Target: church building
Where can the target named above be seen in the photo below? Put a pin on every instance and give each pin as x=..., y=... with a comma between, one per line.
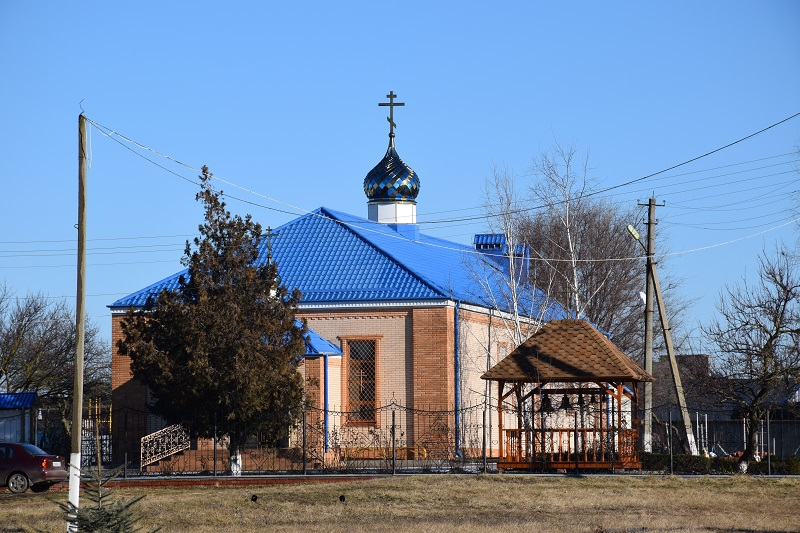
x=407, y=319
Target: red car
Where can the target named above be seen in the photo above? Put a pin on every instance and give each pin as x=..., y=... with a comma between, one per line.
x=25, y=465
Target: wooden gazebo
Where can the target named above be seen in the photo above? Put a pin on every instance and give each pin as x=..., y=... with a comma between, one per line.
x=567, y=399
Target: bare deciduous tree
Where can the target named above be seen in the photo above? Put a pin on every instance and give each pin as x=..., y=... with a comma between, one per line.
x=757, y=342
x=583, y=248
x=37, y=352
x=504, y=274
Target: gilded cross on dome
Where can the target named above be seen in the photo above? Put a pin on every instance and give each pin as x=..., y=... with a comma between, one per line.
x=391, y=104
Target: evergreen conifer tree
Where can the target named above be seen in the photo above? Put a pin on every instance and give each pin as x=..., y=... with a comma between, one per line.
x=220, y=351
x=104, y=514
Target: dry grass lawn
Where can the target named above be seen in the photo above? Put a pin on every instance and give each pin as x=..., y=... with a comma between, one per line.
x=446, y=503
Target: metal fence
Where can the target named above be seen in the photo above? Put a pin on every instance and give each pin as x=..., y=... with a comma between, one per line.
x=776, y=437
x=398, y=439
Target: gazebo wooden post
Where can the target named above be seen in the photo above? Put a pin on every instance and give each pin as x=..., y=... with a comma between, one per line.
x=532, y=437
x=618, y=441
x=600, y=398
x=620, y=396
x=543, y=444
x=520, y=418
x=582, y=407
x=501, y=438
x=541, y=424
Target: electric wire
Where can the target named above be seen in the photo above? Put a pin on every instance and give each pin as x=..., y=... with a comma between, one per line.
x=300, y=210
x=630, y=182
x=662, y=178
x=112, y=134
x=101, y=239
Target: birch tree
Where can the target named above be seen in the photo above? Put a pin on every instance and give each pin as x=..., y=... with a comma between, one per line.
x=582, y=247
x=505, y=275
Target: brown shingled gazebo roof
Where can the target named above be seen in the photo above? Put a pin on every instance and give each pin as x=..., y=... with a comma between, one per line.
x=564, y=351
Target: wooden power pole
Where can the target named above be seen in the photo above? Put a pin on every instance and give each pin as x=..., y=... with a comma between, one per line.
x=648, y=326
x=654, y=289
x=80, y=316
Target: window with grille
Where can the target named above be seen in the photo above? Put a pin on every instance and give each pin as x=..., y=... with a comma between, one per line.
x=361, y=380
x=502, y=351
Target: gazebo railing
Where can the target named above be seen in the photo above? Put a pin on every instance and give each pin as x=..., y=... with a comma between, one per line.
x=598, y=447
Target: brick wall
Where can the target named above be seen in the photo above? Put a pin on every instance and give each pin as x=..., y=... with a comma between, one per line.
x=129, y=401
x=312, y=370
x=391, y=329
x=125, y=390
x=433, y=363
x=415, y=359
x=434, y=377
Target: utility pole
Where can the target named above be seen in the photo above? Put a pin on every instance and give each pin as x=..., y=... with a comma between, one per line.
x=80, y=315
x=654, y=295
x=648, y=325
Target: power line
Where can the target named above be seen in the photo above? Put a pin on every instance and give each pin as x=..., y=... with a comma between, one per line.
x=139, y=246
x=710, y=186
x=607, y=189
x=481, y=207
x=100, y=239
x=113, y=134
x=93, y=253
x=464, y=249
x=90, y=264
x=704, y=225
x=732, y=241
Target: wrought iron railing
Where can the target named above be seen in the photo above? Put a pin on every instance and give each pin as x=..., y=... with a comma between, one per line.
x=418, y=440
x=163, y=443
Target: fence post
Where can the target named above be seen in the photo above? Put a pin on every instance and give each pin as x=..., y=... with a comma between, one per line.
x=576, y=442
x=769, y=455
x=744, y=433
x=394, y=444
x=614, y=448
x=483, y=445
x=698, y=438
x=305, y=465
x=670, y=443
x=125, y=433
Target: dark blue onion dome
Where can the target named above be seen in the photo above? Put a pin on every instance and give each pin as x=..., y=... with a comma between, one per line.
x=391, y=179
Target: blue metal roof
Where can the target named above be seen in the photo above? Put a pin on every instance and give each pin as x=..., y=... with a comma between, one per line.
x=17, y=400
x=316, y=345
x=336, y=257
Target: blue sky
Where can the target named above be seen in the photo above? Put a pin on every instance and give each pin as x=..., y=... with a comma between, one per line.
x=281, y=100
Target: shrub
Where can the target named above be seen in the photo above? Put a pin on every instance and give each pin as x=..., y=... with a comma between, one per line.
x=105, y=513
x=655, y=461
x=780, y=466
x=681, y=464
x=724, y=465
